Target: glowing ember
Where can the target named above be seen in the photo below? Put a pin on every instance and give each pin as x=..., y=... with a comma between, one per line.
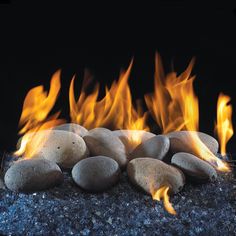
x=36, y=108
x=115, y=110
x=162, y=193
x=174, y=106
x=224, y=127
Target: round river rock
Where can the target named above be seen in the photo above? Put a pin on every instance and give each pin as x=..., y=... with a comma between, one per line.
x=194, y=167
x=72, y=127
x=180, y=141
x=131, y=143
x=64, y=148
x=33, y=175
x=155, y=147
x=96, y=174
x=101, y=141
x=151, y=174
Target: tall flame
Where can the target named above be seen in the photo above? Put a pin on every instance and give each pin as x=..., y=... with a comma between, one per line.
x=36, y=108
x=174, y=106
x=223, y=126
x=162, y=193
x=115, y=110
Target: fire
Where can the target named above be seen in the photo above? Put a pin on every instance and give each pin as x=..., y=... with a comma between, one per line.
x=36, y=108
x=115, y=110
x=223, y=126
x=162, y=193
x=174, y=106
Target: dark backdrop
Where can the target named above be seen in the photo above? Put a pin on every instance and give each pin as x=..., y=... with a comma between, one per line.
x=36, y=41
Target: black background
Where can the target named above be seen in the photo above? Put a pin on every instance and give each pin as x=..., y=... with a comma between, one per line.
x=38, y=40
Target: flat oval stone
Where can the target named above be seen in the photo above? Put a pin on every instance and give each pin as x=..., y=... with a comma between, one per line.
x=62, y=147
x=33, y=175
x=180, y=141
x=96, y=174
x=72, y=127
x=151, y=174
x=194, y=167
x=131, y=143
x=156, y=147
x=102, y=142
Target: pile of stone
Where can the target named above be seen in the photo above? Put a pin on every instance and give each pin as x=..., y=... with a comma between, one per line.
x=96, y=158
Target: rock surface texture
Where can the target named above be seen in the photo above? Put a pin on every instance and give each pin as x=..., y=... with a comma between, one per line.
x=194, y=167
x=150, y=174
x=156, y=147
x=62, y=147
x=96, y=174
x=181, y=141
x=33, y=175
x=102, y=142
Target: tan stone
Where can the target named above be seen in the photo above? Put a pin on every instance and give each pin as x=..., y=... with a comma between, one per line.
x=151, y=174
x=102, y=142
x=194, y=167
x=33, y=175
x=124, y=136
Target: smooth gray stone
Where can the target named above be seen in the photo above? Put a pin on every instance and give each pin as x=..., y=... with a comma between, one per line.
x=180, y=141
x=96, y=174
x=102, y=142
x=151, y=174
x=156, y=147
x=33, y=175
x=194, y=167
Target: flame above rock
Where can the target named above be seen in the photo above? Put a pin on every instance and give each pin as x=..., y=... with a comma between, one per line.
x=115, y=110
x=223, y=126
x=36, y=108
x=174, y=106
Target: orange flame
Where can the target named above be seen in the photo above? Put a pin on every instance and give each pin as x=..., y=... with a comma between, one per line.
x=36, y=108
x=162, y=193
x=174, y=106
x=224, y=127
x=115, y=110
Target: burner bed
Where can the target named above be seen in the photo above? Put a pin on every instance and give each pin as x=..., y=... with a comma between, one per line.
x=204, y=209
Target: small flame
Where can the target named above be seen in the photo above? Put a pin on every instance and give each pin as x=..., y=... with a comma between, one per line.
x=115, y=110
x=36, y=108
x=223, y=126
x=162, y=193
x=174, y=106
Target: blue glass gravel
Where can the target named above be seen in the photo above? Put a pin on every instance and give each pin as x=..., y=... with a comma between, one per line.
x=203, y=209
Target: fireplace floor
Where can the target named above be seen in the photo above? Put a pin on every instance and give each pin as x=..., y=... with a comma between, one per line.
x=207, y=209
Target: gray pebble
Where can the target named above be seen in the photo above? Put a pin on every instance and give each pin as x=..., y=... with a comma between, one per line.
x=181, y=142
x=101, y=141
x=150, y=174
x=194, y=167
x=96, y=173
x=155, y=147
x=124, y=136
x=33, y=175
x=72, y=127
